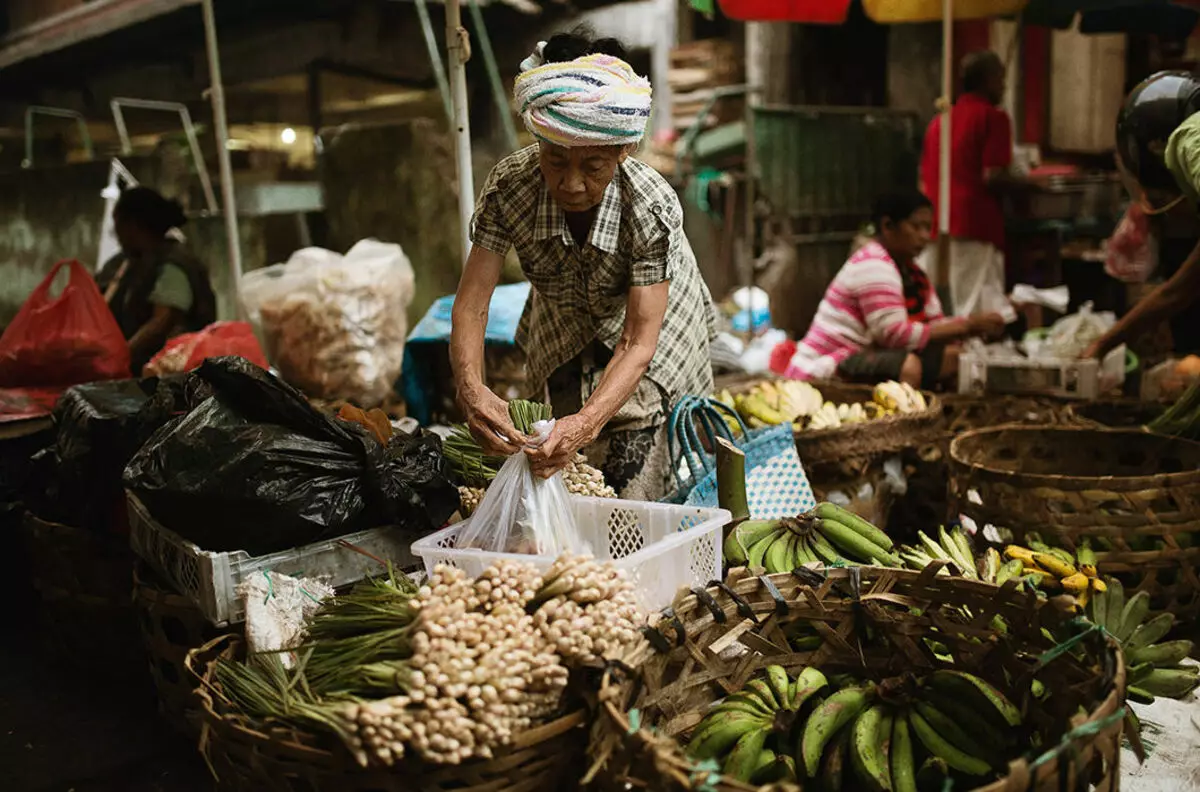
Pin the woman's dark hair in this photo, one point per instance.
(897, 206)
(149, 209)
(581, 41)
(978, 68)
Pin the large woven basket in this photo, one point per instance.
(248, 757)
(1115, 413)
(171, 626)
(84, 581)
(964, 412)
(694, 660)
(1135, 491)
(855, 444)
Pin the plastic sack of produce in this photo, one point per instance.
(334, 326)
(256, 468)
(65, 339)
(220, 339)
(1131, 254)
(524, 513)
(1071, 335)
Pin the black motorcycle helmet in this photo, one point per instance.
(1152, 111)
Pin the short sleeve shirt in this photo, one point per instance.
(172, 289)
(579, 292)
(980, 139)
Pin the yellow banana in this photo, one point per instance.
(1016, 551)
(1076, 583)
(1053, 564)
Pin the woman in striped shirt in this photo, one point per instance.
(881, 318)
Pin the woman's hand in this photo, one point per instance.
(489, 422)
(570, 434)
(987, 325)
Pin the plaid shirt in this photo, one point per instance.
(579, 293)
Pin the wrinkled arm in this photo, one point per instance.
(469, 316)
(644, 313)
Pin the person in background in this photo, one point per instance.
(155, 288)
(618, 323)
(980, 156)
(881, 318)
(1158, 157)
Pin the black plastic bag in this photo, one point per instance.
(256, 468)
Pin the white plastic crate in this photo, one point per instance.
(210, 579)
(1070, 379)
(661, 546)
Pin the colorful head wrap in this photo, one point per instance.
(596, 100)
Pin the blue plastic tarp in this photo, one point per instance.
(504, 314)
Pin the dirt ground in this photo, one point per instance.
(64, 729)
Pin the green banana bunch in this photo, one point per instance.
(843, 533)
(1155, 666)
(827, 535)
(747, 732)
(865, 738)
(954, 547)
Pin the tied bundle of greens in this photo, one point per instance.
(1183, 417)
(469, 463)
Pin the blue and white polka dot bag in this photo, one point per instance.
(776, 484)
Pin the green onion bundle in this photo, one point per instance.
(1183, 417)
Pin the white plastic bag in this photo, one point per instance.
(334, 326)
(277, 608)
(524, 513)
(1072, 334)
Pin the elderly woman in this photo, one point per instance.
(619, 320)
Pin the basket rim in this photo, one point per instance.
(1111, 482)
(200, 661)
(611, 688)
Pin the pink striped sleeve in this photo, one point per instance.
(880, 293)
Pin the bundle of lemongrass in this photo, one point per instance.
(475, 469)
(451, 671)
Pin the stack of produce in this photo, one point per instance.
(475, 470)
(1155, 666)
(451, 671)
(1183, 417)
(828, 534)
(853, 733)
(1053, 569)
(951, 546)
(771, 403)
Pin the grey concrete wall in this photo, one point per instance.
(914, 69)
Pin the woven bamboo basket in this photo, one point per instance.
(964, 412)
(1133, 494)
(247, 756)
(693, 659)
(171, 626)
(83, 581)
(856, 443)
(1115, 413)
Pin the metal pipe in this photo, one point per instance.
(435, 59)
(189, 129)
(944, 145)
(458, 52)
(493, 72)
(228, 202)
(57, 112)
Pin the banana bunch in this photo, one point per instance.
(1155, 666)
(871, 737)
(952, 546)
(833, 416)
(770, 403)
(1053, 569)
(829, 534)
(899, 397)
(748, 733)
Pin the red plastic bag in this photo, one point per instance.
(1131, 256)
(186, 352)
(64, 340)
